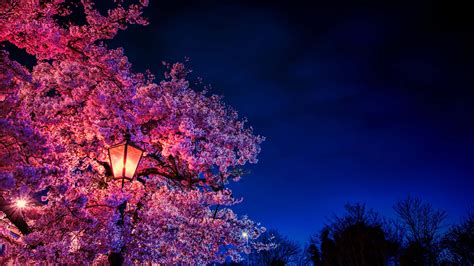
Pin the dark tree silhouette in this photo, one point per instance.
(313, 255)
(283, 251)
(357, 238)
(422, 224)
(362, 237)
(459, 242)
(328, 249)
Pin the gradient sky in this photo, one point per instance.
(359, 103)
(366, 102)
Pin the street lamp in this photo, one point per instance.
(124, 159)
(245, 235)
(20, 203)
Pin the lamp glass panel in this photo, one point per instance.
(116, 160)
(133, 158)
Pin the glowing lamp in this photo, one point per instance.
(245, 236)
(124, 159)
(20, 203)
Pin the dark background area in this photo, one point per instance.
(360, 101)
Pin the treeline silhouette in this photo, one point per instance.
(362, 236)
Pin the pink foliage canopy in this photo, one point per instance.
(57, 121)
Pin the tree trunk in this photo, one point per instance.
(116, 258)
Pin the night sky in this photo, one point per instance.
(366, 102)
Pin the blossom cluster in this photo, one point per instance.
(57, 121)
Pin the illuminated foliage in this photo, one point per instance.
(57, 121)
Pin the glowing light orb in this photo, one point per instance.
(245, 235)
(21, 203)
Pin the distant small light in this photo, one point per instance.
(245, 235)
(21, 203)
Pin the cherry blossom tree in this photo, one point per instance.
(58, 200)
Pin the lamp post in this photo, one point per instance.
(245, 235)
(124, 159)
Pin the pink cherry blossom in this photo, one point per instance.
(57, 122)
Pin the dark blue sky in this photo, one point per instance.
(365, 102)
